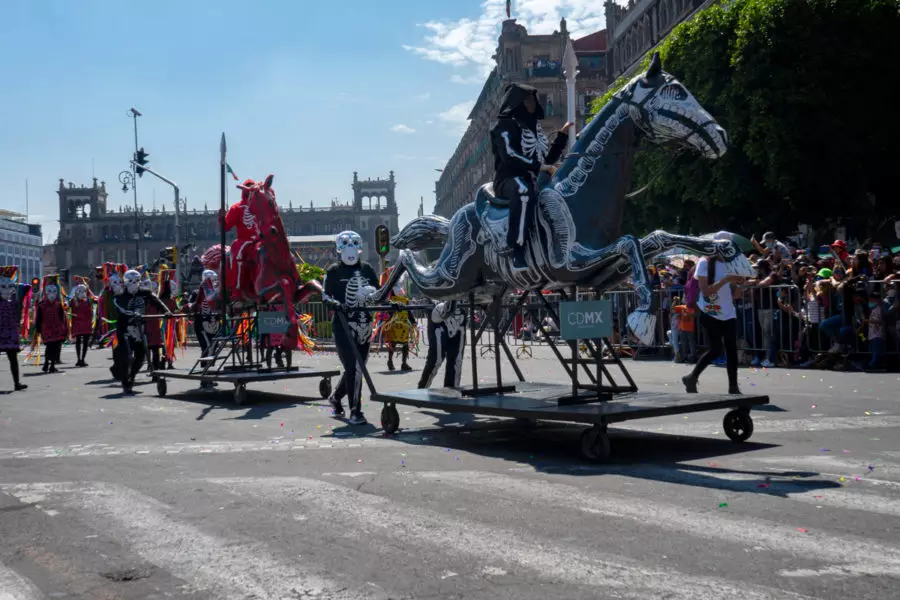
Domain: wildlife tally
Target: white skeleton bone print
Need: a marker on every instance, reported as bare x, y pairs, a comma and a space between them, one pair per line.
135, 330
358, 292
535, 144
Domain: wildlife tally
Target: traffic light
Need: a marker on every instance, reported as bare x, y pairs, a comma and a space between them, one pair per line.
35, 284
140, 157
382, 241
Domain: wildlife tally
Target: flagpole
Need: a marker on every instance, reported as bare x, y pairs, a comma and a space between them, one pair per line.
222, 164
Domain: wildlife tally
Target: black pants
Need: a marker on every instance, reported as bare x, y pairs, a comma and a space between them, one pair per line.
203, 338
119, 369
516, 190
81, 346
720, 334
53, 350
442, 346
351, 379
13, 356
404, 352
135, 353
157, 358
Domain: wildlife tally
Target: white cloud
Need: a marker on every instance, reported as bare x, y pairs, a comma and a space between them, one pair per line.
477, 78
469, 43
401, 128
457, 116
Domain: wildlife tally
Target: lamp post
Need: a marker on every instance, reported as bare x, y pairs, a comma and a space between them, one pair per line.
134, 114
570, 64
177, 204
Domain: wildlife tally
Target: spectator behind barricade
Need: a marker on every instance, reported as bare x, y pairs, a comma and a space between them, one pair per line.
875, 322
791, 331
687, 342
839, 251
860, 267
884, 269
771, 248
764, 302
838, 327
686, 274
892, 316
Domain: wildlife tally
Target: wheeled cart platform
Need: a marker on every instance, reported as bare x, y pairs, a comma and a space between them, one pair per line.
541, 401
240, 378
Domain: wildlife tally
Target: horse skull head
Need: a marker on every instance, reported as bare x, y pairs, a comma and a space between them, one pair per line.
349, 247
666, 111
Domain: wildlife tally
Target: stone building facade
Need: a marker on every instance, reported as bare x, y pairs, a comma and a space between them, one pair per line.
537, 61
639, 26
91, 234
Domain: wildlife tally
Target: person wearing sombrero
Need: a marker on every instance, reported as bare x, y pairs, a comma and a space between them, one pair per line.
13, 296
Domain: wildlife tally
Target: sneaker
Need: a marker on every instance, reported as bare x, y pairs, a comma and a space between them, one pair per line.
734, 390
754, 362
391, 366
357, 418
336, 408
767, 364
53, 369
20, 387
690, 384
405, 367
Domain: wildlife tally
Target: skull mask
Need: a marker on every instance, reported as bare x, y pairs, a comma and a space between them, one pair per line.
132, 281
349, 247
145, 285
116, 284
210, 282
51, 292
80, 292
7, 288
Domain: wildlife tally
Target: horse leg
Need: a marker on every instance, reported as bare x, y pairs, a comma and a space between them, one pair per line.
625, 252
661, 241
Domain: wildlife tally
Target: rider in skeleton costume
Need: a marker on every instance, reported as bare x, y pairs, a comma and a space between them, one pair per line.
82, 310
132, 306
243, 250
521, 153
446, 339
349, 283
12, 296
204, 307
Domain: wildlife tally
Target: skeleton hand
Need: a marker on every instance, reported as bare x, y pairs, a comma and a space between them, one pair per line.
367, 291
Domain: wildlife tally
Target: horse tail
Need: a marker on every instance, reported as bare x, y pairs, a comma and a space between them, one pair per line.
423, 232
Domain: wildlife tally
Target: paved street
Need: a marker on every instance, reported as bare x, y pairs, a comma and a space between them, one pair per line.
105, 497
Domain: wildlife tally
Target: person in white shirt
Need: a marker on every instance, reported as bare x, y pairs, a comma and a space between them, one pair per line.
718, 318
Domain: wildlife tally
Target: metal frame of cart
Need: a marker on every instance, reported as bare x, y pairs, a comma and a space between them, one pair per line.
608, 395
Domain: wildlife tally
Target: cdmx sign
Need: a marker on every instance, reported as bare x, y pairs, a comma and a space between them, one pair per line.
587, 320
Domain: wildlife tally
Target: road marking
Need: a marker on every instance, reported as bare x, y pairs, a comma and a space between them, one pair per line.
375, 515
868, 558
229, 569
766, 425
15, 587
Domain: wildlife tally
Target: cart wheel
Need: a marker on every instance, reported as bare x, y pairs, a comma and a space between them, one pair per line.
738, 425
240, 393
325, 387
390, 419
161, 387
595, 444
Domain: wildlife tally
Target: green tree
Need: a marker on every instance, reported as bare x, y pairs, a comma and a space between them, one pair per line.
801, 86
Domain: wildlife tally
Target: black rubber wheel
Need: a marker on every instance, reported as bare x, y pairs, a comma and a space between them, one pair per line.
595, 444
240, 393
325, 387
738, 425
390, 419
161, 387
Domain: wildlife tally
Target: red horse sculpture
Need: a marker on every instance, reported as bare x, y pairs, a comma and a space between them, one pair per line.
261, 268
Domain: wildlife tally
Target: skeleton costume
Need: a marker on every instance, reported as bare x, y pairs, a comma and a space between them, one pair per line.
12, 296
348, 284
520, 149
204, 307
132, 306
116, 287
153, 327
82, 310
446, 340
51, 323
243, 251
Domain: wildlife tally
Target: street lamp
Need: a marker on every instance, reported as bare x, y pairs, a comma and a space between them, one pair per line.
134, 114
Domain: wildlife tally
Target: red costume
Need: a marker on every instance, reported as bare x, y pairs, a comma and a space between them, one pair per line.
82, 317
243, 251
153, 327
51, 321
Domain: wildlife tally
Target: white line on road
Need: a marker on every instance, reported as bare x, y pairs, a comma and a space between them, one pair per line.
766, 425
616, 576
229, 569
15, 587
867, 558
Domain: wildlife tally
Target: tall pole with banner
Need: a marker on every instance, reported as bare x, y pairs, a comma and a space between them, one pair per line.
222, 208
570, 64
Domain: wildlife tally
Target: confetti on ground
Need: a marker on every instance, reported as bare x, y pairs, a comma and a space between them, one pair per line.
802, 530
723, 504
813, 406
824, 450
843, 479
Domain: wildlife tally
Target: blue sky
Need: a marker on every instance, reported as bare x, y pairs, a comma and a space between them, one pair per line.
307, 90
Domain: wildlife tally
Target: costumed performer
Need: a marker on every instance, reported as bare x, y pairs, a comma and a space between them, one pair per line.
348, 285
446, 340
169, 333
273, 342
51, 323
82, 310
243, 251
13, 298
397, 330
132, 306
521, 152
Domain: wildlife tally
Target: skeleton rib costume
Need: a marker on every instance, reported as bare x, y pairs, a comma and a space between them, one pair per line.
446, 340
12, 296
132, 306
348, 285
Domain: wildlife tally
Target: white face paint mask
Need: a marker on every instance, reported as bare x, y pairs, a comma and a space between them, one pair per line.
80, 292
210, 282
51, 293
116, 284
7, 288
349, 247
145, 285
132, 281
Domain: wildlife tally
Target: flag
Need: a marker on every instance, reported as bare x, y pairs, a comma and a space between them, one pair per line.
228, 168
508, 8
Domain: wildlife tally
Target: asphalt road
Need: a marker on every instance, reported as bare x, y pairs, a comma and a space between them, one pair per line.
105, 497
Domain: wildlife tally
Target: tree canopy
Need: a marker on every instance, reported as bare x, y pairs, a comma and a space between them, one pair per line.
802, 87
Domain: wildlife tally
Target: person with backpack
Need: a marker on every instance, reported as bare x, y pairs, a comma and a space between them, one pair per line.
717, 317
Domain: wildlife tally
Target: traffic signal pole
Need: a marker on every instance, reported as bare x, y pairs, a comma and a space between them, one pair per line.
137, 225
177, 202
